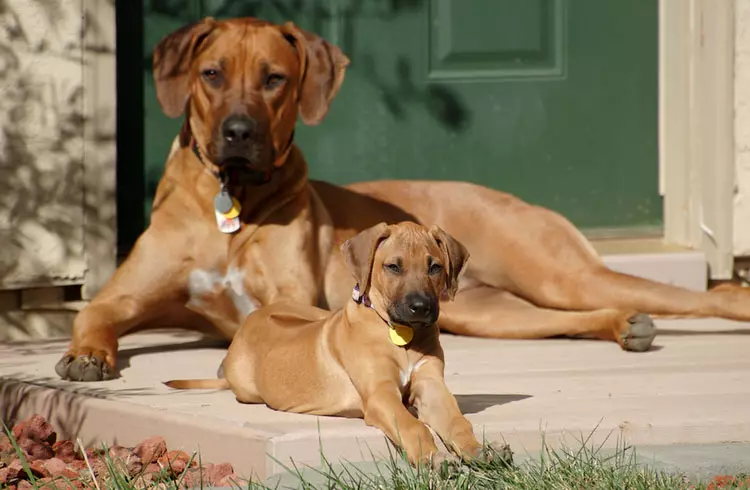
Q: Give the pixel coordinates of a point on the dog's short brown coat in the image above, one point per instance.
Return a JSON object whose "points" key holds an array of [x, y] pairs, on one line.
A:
{"points": [[299, 358], [533, 274]]}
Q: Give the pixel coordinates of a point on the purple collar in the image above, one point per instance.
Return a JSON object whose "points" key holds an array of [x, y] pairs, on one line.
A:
{"points": [[360, 298]]}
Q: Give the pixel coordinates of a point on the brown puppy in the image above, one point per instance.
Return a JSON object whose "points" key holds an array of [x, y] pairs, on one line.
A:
{"points": [[242, 84], [299, 358]]}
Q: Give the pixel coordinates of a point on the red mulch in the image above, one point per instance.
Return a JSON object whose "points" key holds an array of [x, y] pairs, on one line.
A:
{"points": [[727, 481], [60, 464]]}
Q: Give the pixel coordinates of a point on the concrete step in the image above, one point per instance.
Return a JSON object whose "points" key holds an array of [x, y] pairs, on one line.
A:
{"points": [[691, 388], [653, 259]]}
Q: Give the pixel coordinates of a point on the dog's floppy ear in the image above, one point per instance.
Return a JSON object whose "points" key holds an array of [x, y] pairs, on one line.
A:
{"points": [[322, 68], [359, 253], [172, 59], [455, 255]]}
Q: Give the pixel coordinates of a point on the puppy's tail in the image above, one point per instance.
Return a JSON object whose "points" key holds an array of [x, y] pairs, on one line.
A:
{"points": [[199, 384]]}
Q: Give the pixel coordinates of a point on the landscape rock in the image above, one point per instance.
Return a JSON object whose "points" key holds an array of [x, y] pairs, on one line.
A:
{"points": [[151, 449], [35, 449], [25, 485], [218, 472], [65, 450], [38, 469], [56, 464], [176, 462], [35, 428], [15, 470]]}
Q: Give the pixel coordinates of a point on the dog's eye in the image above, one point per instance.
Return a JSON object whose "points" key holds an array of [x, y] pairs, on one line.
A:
{"points": [[395, 268], [274, 80], [435, 269], [211, 74]]}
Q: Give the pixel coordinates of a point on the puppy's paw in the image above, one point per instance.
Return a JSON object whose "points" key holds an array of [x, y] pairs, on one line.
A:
{"points": [[443, 460], [497, 453]]}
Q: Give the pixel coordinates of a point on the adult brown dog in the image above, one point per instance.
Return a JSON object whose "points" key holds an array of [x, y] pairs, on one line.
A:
{"points": [[242, 84], [300, 358]]}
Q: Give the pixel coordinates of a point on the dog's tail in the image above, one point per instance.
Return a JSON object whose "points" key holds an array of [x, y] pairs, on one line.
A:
{"points": [[199, 384]]}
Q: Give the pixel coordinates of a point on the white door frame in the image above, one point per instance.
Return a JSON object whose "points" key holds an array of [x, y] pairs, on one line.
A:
{"points": [[696, 127]]}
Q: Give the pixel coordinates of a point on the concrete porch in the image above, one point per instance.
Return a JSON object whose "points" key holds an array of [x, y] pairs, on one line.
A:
{"points": [[692, 388]]}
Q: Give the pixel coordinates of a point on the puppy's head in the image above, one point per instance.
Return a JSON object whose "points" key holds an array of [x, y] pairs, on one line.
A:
{"points": [[405, 269], [243, 82]]}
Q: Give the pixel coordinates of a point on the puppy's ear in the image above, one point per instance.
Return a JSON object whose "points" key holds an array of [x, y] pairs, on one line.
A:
{"points": [[322, 69], [359, 253], [172, 59], [455, 255]]}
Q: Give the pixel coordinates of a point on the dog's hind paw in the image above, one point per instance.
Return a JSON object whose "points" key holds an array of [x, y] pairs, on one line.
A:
{"points": [[638, 334], [86, 367]]}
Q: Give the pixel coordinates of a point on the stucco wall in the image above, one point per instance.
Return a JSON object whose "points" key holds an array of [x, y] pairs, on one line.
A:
{"points": [[57, 159], [742, 128], [45, 46]]}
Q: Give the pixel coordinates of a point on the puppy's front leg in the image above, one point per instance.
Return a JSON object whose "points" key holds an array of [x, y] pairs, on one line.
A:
{"points": [[383, 408], [437, 407]]}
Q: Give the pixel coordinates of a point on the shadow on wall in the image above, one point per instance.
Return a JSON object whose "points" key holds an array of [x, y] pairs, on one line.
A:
{"points": [[438, 100], [42, 141]]}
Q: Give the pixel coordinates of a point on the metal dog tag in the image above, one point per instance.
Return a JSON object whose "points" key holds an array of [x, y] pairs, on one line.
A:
{"points": [[222, 202], [227, 225], [227, 210]]}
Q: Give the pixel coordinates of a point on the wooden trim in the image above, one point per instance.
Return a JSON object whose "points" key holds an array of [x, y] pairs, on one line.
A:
{"points": [[696, 127]]}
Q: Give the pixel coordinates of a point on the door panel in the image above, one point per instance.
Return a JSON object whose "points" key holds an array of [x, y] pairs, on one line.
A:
{"points": [[552, 100]]}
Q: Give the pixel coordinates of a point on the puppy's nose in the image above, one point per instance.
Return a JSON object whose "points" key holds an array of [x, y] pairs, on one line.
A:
{"points": [[419, 306], [237, 129]]}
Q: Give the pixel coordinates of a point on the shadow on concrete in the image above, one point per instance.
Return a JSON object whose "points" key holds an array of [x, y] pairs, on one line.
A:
{"points": [[124, 355], [469, 404]]}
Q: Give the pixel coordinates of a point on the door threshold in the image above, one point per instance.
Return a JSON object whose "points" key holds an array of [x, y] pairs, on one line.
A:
{"points": [[654, 259]]}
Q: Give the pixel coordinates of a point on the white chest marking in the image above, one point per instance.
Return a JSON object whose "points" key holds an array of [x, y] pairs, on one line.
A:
{"points": [[406, 375], [202, 282]]}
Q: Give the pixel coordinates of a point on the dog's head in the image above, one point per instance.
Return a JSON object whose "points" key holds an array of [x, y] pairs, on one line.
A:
{"points": [[242, 84], [405, 269]]}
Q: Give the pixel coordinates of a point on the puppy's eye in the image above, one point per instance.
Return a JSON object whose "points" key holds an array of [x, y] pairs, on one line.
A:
{"points": [[394, 268], [274, 80], [211, 74], [435, 269]]}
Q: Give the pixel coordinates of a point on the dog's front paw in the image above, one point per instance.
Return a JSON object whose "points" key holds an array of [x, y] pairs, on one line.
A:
{"points": [[89, 366], [443, 460]]}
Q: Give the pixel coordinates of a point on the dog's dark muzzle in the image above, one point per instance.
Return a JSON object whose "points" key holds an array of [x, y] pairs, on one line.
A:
{"points": [[240, 152], [415, 310]]}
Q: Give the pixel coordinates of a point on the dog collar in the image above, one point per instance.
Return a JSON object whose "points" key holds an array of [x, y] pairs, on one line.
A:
{"points": [[399, 334]]}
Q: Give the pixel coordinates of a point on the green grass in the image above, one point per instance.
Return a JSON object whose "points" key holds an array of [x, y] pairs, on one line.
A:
{"points": [[584, 466]]}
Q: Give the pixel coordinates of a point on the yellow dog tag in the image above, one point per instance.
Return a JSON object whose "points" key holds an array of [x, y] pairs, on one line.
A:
{"points": [[400, 334], [234, 211]]}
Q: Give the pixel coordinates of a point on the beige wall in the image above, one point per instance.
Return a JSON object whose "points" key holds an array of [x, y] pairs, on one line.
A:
{"points": [[57, 152], [742, 128], [47, 51]]}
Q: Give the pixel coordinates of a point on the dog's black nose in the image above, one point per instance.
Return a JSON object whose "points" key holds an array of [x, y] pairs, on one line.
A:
{"points": [[238, 129], [419, 306]]}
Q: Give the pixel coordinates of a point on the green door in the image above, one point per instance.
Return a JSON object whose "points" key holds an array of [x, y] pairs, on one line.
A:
{"points": [[552, 100]]}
